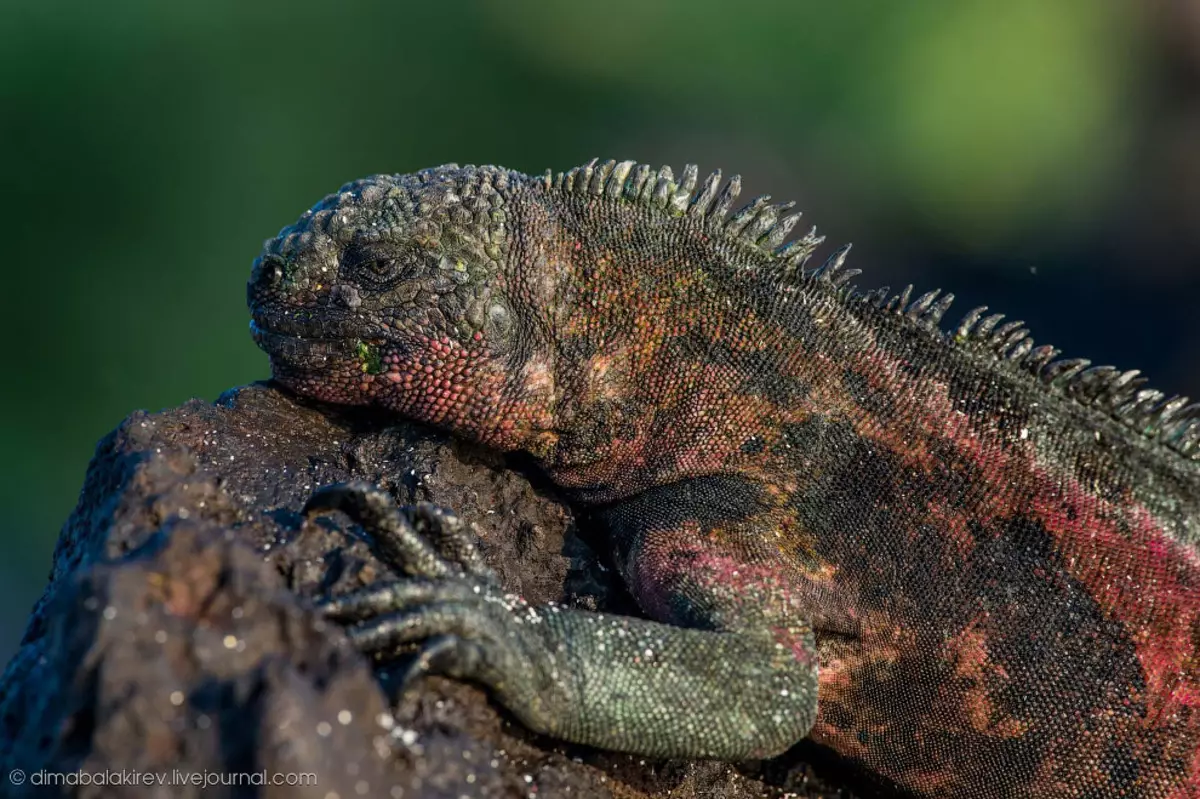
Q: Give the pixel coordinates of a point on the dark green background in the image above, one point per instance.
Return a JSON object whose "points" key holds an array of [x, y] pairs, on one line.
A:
{"points": [[1037, 155]]}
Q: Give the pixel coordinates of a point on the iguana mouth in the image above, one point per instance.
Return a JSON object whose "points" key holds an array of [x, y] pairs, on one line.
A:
{"points": [[298, 348]]}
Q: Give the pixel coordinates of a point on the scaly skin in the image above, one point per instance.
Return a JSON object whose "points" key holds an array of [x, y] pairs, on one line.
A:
{"points": [[970, 569]]}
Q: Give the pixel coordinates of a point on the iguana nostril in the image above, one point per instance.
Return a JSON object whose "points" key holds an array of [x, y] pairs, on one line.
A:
{"points": [[266, 274]]}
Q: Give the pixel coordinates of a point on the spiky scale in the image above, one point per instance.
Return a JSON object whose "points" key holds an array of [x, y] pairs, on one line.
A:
{"points": [[933, 317], [1172, 407], [845, 276], [966, 327], [600, 177], [1123, 387], [830, 271], [897, 303], [1145, 399], [1005, 331], [777, 234], [921, 304], [1040, 356], [1064, 370], [1172, 431], [983, 330], [640, 175], [788, 251], [687, 185], [646, 197], [725, 201], [1128, 377], [1002, 345], [664, 187], [583, 179], [739, 221], [708, 193], [795, 254], [1145, 413], [761, 226], [1018, 352], [1091, 384], [1185, 423], [569, 177], [616, 181]]}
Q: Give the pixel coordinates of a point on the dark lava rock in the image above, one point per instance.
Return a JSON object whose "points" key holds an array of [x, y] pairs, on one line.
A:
{"points": [[175, 650]]}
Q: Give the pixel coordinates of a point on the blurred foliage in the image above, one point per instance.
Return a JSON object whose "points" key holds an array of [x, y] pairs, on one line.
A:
{"points": [[150, 147], [969, 110]]}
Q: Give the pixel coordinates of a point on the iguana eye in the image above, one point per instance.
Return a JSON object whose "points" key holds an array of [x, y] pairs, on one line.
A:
{"points": [[379, 271], [382, 268]]}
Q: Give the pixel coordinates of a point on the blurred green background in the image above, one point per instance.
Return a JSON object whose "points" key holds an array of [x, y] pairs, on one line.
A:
{"points": [[1040, 156]]}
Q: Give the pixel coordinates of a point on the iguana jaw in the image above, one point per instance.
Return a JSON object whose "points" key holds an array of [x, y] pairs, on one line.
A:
{"points": [[324, 369], [299, 350]]}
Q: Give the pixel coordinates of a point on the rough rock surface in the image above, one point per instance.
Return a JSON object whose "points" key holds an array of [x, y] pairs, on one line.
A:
{"points": [[175, 640]]}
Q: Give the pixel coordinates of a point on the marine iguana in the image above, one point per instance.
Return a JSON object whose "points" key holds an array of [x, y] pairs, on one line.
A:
{"points": [[967, 565]]}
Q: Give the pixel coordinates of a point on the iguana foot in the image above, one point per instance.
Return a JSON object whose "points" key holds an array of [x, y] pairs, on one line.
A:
{"points": [[452, 607], [401, 534]]}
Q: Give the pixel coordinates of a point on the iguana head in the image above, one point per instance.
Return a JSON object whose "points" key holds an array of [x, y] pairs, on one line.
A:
{"points": [[393, 291]]}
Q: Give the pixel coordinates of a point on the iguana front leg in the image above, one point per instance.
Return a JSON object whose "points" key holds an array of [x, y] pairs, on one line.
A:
{"points": [[716, 682]]}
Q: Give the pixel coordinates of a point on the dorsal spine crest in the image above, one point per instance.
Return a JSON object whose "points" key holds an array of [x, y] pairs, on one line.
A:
{"points": [[764, 227]]}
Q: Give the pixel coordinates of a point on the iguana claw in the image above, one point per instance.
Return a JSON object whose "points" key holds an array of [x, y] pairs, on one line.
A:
{"points": [[451, 607]]}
